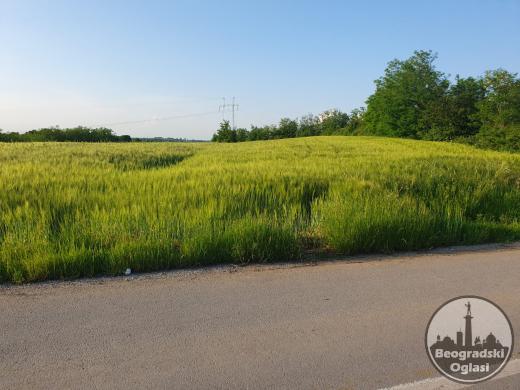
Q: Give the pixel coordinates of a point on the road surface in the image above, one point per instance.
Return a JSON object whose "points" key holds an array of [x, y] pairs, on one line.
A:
{"points": [[350, 324]]}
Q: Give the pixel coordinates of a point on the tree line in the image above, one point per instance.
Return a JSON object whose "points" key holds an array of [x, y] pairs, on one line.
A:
{"points": [[330, 122], [413, 99], [76, 134]]}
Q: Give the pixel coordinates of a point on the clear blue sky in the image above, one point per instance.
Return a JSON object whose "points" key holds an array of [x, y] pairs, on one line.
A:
{"points": [[101, 62]]}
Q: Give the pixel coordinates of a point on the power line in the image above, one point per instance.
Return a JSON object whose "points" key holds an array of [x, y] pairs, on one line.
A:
{"points": [[233, 106], [166, 118], [222, 108]]}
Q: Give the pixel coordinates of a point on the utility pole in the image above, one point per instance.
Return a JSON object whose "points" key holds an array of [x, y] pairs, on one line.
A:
{"points": [[222, 108], [233, 106]]}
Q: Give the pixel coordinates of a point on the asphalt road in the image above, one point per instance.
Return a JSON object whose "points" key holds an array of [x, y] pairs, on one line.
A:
{"points": [[355, 324]]}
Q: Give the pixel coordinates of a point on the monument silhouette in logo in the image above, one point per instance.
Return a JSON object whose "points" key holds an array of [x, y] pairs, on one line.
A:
{"points": [[466, 358]]}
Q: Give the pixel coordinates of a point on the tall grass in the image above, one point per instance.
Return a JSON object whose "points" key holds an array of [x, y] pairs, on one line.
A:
{"points": [[75, 210]]}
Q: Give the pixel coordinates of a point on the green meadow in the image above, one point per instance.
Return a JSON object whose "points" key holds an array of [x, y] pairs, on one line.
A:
{"points": [[70, 210]]}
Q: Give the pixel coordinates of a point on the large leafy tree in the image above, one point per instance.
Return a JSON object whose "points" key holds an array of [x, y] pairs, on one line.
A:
{"points": [[499, 112], [404, 95], [454, 115], [464, 98], [501, 108]]}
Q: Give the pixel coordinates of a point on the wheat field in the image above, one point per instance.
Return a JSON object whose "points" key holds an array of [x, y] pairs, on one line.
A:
{"points": [[70, 210]]}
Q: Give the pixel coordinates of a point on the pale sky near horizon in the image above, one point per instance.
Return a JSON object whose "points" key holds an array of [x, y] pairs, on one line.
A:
{"points": [[96, 63]]}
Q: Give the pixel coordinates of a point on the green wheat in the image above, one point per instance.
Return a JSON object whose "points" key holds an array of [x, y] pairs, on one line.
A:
{"points": [[73, 210]]}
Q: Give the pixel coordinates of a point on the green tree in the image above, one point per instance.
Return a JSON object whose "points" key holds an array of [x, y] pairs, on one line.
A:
{"points": [[225, 133], [453, 116], [499, 111], [500, 138], [242, 135], [355, 122], [287, 128], [464, 98], [501, 107], [403, 96], [332, 121], [260, 133], [308, 125]]}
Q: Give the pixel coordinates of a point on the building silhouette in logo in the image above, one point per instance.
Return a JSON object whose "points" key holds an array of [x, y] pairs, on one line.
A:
{"points": [[447, 343]]}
